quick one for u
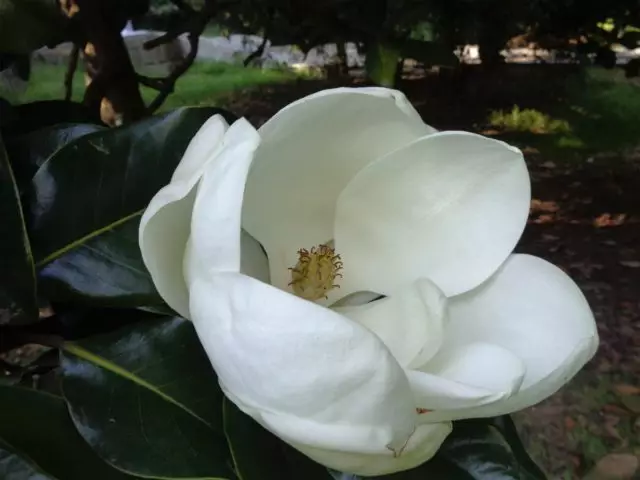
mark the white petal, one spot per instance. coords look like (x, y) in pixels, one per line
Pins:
(309, 152)
(356, 299)
(450, 207)
(409, 322)
(475, 374)
(423, 444)
(201, 149)
(215, 223)
(535, 311)
(165, 225)
(253, 260)
(307, 373)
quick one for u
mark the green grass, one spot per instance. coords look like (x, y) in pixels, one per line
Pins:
(527, 120)
(205, 83)
(599, 112)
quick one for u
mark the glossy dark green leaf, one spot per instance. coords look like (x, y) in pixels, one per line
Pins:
(27, 152)
(477, 450)
(508, 430)
(29, 117)
(17, 275)
(87, 200)
(260, 455)
(16, 467)
(72, 322)
(38, 427)
(106, 269)
(147, 400)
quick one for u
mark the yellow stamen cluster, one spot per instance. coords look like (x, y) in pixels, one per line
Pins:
(315, 273)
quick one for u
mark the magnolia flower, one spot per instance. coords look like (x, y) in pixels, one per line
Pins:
(388, 302)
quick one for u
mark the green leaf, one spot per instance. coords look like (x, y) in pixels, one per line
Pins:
(37, 426)
(17, 275)
(27, 25)
(29, 117)
(260, 455)
(86, 202)
(508, 429)
(13, 466)
(476, 450)
(28, 152)
(72, 323)
(147, 400)
(107, 269)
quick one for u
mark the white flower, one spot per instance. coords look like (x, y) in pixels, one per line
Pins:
(426, 219)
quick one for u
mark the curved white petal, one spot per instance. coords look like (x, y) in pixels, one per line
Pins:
(305, 372)
(409, 322)
(216, 234)
(476, 374)
(253, 260)
(423, 444)
(165, 225)
(309, 152)
(450, 207)
(534, 310)
(201, 149)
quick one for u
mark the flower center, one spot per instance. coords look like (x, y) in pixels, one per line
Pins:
(315, 273)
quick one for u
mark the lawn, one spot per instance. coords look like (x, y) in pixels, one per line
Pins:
(204, 84)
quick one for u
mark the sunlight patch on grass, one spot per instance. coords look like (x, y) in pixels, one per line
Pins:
(527, 120)
(598, 112)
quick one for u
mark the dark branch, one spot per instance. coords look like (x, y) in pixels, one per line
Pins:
(168, 84)
(71, 70)
(257, 53)
(196, 26)
(168, 37)
(155, 83)
(267, 32)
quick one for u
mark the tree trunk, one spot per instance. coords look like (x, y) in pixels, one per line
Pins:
(112, 85)
(381, 63)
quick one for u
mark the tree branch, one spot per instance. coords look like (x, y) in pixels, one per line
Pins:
(71, 70)
(165, 38)
(196, 26)
(168, 84)
(151, 82)
(258, 52)
(267, 33)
